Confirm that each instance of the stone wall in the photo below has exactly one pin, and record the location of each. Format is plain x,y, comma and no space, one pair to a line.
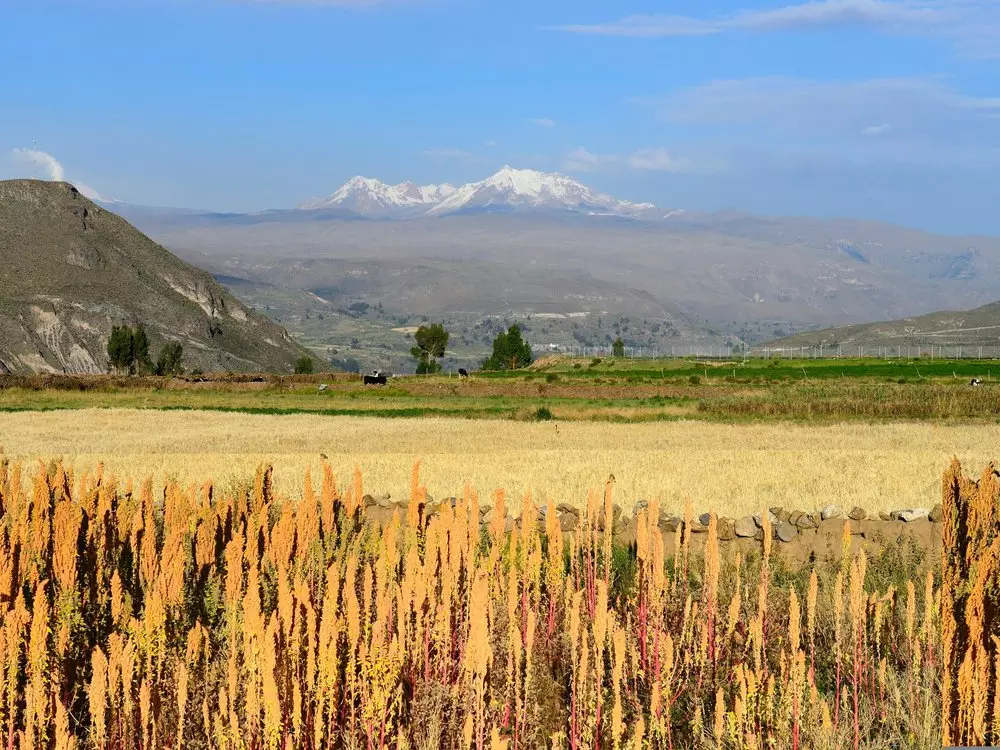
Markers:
799,537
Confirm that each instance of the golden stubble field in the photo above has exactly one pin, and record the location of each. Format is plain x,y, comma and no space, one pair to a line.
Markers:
732,469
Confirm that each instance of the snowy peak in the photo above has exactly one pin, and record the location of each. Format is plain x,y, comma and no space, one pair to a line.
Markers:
368,196
509,190
527,189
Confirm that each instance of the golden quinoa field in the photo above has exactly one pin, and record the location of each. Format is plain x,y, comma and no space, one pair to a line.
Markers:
732,469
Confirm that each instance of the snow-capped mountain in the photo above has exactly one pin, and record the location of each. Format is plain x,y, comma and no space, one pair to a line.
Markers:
509,190
526,189
374,198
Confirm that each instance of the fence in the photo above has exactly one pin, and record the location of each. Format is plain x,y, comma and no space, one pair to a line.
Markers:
842,351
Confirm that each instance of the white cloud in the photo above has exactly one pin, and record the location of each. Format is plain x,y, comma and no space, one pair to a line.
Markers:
449,153
972,25
873,130
658,160
919,107
644,159
544,122
45,166
582,160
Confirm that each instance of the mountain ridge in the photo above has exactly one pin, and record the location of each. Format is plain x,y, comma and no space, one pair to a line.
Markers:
509,189
73,269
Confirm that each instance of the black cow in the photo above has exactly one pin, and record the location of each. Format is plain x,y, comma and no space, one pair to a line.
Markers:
975,381
376,378
462,372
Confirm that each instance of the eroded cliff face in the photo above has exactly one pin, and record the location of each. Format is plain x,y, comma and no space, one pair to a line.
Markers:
71,270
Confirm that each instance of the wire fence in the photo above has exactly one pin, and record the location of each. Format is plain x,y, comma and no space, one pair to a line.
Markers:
839,351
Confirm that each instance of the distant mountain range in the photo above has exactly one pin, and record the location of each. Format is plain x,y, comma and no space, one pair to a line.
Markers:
524,243
509,190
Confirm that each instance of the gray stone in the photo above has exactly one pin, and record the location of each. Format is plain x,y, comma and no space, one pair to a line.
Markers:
698,528
857,514
786,531
936,514
640,505
726,529
910,514
567,508
384,501
567,521
745,527
831,511
670,523
806,521
883,516
759,519
704,519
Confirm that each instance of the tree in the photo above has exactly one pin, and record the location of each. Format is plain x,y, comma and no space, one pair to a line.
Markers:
618,347
120,348
169,361
304,365
140,350
510,351
432,341
128,349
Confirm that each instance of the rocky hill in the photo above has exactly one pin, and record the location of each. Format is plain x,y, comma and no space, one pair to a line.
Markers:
71,270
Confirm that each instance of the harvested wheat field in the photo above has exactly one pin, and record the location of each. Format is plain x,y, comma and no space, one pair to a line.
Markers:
733,469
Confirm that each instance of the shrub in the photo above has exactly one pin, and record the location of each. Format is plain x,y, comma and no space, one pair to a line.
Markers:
543,414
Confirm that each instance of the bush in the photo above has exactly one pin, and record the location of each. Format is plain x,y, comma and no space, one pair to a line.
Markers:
694,380
543,414
304,365
551,378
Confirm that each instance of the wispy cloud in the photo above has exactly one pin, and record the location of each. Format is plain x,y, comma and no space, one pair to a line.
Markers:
450,153
973,25
582,160
917,107
318,3
644,159
45,166
659,160
873,130
543,122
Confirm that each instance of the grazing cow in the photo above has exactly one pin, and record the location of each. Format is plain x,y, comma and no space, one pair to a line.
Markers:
323,387
975,381
462,372
376,378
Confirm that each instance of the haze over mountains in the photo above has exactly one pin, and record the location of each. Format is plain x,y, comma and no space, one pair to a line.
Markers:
71,270
728,266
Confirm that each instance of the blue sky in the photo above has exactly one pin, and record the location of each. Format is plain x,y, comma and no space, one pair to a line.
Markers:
884,109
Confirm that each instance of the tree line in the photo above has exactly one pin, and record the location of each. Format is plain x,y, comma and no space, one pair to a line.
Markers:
128,353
